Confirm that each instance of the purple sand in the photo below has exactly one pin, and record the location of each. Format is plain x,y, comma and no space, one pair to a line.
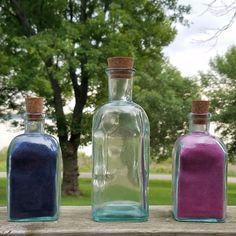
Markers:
201,177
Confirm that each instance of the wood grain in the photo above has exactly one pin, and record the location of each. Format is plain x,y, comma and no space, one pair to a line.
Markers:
77,221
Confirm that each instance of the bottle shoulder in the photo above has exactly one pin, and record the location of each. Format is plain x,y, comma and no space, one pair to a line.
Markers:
200,139
122,114
122,106
34,139
119,108
34,136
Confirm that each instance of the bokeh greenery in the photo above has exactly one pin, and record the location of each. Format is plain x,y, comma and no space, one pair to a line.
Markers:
160,194
58,49
219,83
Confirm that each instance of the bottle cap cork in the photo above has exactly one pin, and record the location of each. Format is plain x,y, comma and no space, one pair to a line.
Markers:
200,106
120,67
34,105
120,62
200,109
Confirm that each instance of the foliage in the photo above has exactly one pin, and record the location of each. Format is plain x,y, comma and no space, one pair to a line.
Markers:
220,84
58,49
56,30
166,97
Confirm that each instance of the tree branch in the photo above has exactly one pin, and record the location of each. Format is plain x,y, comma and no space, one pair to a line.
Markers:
107,4
71,10
80,91
83,7
222,9
80,100
58,104
41,13
22,18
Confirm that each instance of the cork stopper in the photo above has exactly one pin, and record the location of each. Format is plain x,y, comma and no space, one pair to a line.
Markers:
34,105
200,106
120,62
120,67
200,109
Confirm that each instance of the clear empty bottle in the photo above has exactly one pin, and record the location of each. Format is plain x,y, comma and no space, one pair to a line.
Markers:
33,170
199,171
120,151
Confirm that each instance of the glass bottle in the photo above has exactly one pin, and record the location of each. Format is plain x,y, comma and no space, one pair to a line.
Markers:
199,171
33,170
120,137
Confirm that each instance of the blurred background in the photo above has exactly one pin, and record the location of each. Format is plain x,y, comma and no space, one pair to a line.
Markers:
183,50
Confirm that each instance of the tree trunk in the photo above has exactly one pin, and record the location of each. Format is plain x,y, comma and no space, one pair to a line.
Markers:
70,185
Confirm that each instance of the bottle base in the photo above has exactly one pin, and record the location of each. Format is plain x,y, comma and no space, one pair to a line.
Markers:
34,219
120,211
202,220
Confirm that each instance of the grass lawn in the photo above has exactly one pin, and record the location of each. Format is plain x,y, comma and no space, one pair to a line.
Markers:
3,154
160,193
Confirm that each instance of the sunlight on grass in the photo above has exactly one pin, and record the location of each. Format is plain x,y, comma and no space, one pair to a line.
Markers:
3,155
160,193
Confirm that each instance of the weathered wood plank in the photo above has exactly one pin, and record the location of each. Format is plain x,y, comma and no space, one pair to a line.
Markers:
77,221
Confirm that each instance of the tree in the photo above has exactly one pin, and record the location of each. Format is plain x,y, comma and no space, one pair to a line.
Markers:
166,96
220,86
58,49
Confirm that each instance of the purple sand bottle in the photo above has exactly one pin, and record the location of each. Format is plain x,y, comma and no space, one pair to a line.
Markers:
33,170
199,176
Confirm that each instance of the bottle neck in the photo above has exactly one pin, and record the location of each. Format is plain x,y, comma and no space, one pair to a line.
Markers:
34,123
120,84
199,122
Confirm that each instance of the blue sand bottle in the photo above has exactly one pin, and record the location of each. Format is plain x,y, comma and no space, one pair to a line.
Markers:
33,170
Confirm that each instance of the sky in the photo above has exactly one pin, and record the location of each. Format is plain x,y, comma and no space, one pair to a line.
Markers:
189,52
7,133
